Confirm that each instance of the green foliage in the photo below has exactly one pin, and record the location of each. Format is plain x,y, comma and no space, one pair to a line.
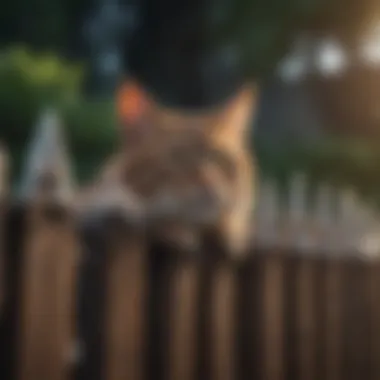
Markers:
29,81
91,132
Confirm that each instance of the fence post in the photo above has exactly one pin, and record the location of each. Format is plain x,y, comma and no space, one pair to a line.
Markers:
323,219
223,323
125,304
4,171
267,214
273,316
374,295
306,318
184,288
49,259
298,227
347,208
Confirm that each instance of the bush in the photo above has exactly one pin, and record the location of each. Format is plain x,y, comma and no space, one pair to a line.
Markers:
91,133
29,81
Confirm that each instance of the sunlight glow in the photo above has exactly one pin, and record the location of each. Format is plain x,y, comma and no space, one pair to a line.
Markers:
330,59
369,50
295,65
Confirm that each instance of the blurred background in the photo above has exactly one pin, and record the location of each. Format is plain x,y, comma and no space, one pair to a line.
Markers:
317,64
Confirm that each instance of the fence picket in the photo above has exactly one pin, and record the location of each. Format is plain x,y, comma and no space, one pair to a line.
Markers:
4,169
332,331
49,258
47,309
305,318
374,294
273,317
223,323
125,309
183,312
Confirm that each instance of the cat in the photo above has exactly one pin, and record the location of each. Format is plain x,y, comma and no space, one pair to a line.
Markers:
185,174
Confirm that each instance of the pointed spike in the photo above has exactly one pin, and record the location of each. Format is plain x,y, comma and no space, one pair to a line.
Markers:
347,220
323,219
47,166
4,171
368,229
297,198
4,188
369,246
347,206
297,229
267,212
323,205
268,201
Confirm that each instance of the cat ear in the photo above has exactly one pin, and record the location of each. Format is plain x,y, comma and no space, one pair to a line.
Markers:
237,117
242,108
132,103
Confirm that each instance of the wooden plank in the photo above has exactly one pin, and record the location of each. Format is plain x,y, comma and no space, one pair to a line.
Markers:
183,321
374,293
305,319
125,310
204,344
333,319
223,323
248,334
4,173
47,308
273,313
356,320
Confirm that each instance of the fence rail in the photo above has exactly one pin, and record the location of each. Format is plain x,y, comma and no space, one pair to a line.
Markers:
110,304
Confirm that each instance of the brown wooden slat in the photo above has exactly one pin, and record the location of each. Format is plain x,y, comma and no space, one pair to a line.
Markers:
65,301
248,334
333,319
290,342
273,306
223,323
47,298
374,293
355,321
125,310
183,321
3,290
305,319
4,168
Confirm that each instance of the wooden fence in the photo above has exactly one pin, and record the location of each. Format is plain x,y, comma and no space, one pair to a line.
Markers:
108,304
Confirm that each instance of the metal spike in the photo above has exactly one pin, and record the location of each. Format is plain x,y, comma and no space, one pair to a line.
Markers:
47,166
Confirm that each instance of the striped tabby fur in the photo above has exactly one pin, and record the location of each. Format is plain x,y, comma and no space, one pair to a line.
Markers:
183,175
